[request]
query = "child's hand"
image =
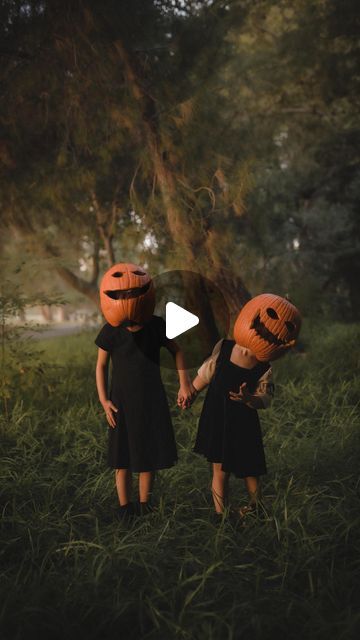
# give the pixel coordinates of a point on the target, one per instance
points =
(186, 395)
(242, 396)
(109, 409)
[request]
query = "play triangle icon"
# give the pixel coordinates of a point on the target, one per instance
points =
(178, 320)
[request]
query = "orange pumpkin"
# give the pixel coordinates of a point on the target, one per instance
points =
(127, 294)
(268, 325)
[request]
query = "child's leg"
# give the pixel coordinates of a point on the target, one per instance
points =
(253, 488)
(123, 479)
(146, 479)
(219, 487)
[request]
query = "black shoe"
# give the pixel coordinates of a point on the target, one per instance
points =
(126, 511)
(217, 518)
(254, 510)
(249, 509)
(144, 508)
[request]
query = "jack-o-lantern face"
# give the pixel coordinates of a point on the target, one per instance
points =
(268, 325)
(127, 294)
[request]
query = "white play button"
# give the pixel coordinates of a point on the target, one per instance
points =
(178, 320)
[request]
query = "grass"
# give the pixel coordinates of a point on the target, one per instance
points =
(70, 570)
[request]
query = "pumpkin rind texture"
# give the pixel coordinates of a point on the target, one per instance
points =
(268, 325)
(127, 293)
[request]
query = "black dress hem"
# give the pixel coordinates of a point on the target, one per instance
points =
(229, 433)
(159, 467)
(237, 474)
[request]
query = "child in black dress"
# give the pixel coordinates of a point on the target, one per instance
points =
(141, 437)
(240, 382)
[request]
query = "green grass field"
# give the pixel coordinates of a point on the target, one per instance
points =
(69, 569)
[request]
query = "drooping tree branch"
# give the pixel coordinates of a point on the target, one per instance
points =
(87, 288)
(26, 231)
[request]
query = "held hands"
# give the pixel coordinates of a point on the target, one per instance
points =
(242, 396)
(109, 409)
(186, 395)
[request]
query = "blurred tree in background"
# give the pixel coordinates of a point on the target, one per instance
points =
(214, 136)
(302, 87)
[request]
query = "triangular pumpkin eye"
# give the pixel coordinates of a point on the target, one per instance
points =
(272, 313)
(117, 274)
(139, 273)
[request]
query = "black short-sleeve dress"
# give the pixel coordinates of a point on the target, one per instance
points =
(143, 439)
(229, 432)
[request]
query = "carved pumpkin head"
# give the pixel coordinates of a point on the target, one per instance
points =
(268, 325)
(127, 294)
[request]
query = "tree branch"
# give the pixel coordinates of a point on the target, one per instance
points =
(89, 289)
(96, 261)
(104, 226)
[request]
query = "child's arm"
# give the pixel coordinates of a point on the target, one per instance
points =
(101, 385)
(207, 370)
(261, 398)
(199, 383)
(186, 390)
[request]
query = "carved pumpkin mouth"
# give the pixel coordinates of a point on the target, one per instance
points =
(126, 294)
(264, 333)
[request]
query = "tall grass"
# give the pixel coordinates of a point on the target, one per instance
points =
(69, 569)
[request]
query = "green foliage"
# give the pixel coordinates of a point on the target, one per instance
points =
(300, 94)
(251, 108)
(21, 366)
(70, 569)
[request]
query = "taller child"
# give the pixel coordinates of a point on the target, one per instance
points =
(141, 437)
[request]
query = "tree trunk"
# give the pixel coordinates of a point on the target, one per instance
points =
(197, 296)
(105, 224)
(47, 312)
(182, 233)
(232, 287)
(177, 219)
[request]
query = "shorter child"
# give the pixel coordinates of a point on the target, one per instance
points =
(240, 382)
